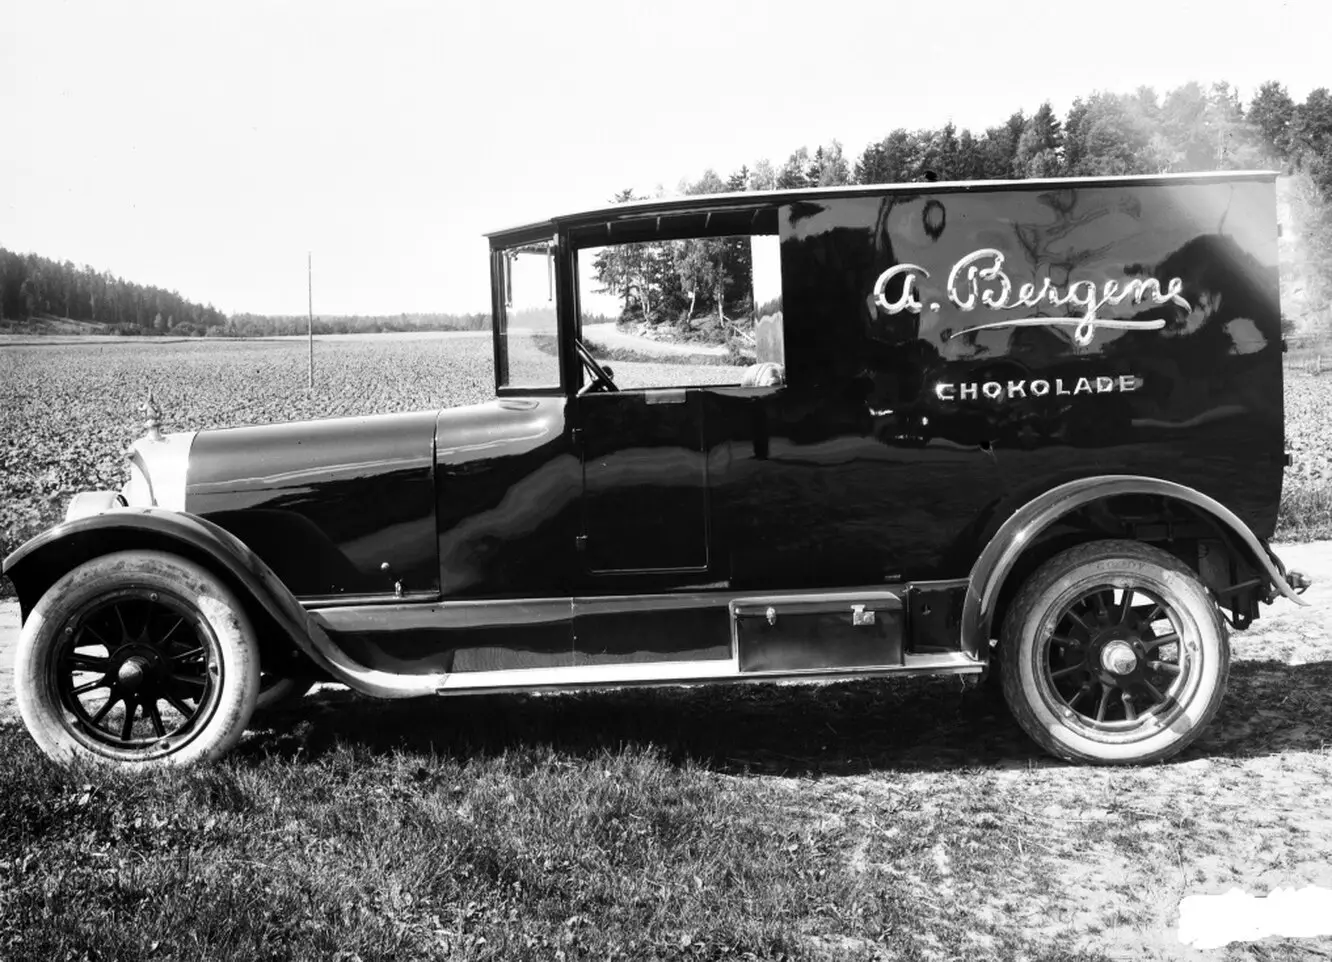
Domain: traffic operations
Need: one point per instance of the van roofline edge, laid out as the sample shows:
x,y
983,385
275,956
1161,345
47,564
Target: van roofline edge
x,y
759,198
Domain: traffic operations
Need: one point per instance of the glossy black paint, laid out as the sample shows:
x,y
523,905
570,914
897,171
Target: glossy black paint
x,y
500,635
629,629
326,503
919,478
645,482
858,471
415,640
507,500
934,615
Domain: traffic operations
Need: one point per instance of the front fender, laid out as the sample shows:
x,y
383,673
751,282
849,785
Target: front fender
x,y
1025,525
39,563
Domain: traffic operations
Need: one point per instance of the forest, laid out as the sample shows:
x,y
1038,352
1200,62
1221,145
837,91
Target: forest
x,y
37,287
1191,128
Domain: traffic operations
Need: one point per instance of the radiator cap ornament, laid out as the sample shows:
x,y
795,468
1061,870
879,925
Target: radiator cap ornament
x,y
153,424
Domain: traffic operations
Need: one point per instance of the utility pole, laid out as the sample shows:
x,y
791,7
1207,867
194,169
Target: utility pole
x,y
309,280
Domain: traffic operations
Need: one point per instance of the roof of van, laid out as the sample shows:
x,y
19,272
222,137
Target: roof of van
x,y
701,203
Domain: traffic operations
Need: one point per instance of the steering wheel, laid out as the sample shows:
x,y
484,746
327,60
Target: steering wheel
x,y
601,377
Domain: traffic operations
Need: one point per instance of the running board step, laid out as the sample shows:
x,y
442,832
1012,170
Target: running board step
x,y
684,673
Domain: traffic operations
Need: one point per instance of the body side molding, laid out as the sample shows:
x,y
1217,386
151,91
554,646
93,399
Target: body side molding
x,y
1025,524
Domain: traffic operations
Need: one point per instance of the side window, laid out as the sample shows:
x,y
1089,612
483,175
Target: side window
x,y
685,312
526,331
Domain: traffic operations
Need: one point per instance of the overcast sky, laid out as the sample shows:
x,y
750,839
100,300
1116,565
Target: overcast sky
x,y
207,147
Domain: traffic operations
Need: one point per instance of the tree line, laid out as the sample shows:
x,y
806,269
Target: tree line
x,y
33,287
38,287
1191,128
265,325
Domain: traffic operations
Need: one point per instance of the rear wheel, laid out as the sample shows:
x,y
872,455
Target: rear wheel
x,y
1114,653
137,659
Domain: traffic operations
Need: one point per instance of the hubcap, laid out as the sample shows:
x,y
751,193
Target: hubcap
x,y
132,672
1118,657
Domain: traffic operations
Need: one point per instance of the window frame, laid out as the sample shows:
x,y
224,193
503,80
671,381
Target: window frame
x,y
499,292
743,220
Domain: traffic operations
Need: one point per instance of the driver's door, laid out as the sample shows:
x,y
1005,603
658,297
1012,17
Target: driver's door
x,y
645,490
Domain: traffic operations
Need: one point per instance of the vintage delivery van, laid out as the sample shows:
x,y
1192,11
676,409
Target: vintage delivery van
x,y
1033,427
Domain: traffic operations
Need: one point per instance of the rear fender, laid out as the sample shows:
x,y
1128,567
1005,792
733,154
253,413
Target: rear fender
x,y
42,561
1025,525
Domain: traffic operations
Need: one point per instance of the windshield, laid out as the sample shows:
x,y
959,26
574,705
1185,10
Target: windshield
x,y
527,349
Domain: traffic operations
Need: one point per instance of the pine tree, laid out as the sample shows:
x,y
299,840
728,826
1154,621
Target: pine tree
x,y
1040,145
1272,114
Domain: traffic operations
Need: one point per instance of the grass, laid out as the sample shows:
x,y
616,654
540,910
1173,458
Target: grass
x,y
1306,512
602,827
1310,355
853,821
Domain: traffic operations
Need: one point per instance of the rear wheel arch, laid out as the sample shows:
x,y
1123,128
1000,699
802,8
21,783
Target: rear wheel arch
x,y
1089,509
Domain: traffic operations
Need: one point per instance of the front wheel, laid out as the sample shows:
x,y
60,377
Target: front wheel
x,y
137,659
1114,653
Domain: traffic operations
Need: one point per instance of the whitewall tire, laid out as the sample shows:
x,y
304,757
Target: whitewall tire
x,y
1114,653
137,659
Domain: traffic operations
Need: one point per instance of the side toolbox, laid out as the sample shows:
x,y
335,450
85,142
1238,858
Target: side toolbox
x,y
816,631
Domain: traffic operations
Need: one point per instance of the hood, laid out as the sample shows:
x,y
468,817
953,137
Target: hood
x,y
335,507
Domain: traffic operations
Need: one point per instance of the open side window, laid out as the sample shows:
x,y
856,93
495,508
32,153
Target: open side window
x,y
682,302
527,354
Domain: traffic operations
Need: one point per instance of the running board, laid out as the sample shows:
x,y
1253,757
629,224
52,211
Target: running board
x,y
685,638
688,673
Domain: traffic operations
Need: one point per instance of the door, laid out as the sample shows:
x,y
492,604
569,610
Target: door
x,y
644,482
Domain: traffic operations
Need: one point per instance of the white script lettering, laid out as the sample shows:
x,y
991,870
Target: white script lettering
x,y
979,279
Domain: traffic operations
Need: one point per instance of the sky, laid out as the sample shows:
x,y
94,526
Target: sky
x,y
207,147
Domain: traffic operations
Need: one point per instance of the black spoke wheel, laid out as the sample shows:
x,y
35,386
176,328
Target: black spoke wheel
x,y
137,668
1114,658
1114,653
139,658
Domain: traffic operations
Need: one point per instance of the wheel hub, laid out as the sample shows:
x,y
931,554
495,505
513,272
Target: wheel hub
x,y
132,673
136,668
1119,658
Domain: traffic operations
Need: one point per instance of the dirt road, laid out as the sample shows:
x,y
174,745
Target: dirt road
x,y
608,335
1285,633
